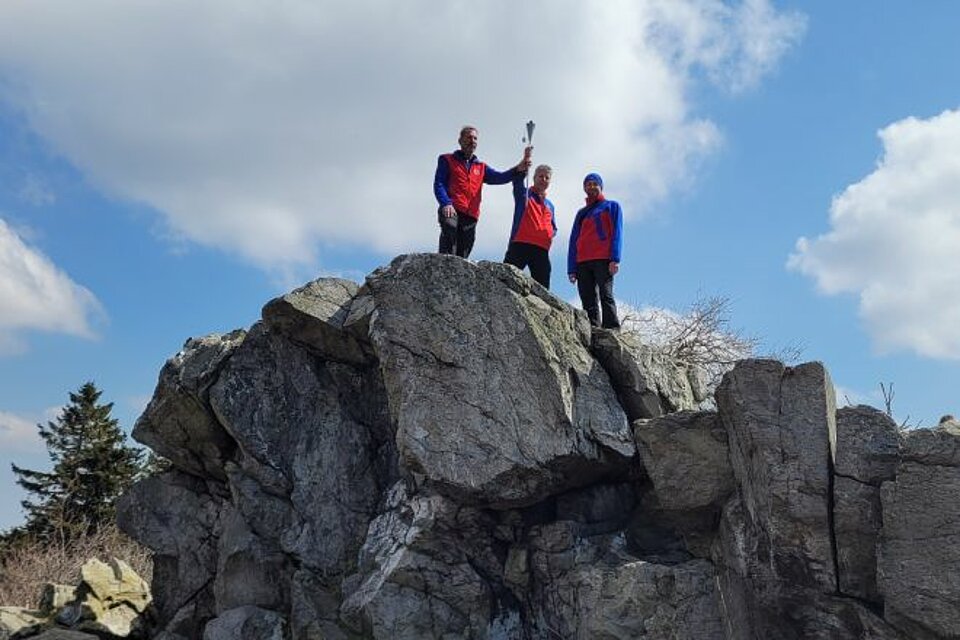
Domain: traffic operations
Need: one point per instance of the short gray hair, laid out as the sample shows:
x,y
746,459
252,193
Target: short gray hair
x,y
545,168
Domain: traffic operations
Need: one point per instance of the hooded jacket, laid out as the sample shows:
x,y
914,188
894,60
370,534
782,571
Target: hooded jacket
x,y
596,233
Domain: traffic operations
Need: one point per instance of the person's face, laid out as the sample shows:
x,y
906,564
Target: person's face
x,y
468,141
541,181
591,188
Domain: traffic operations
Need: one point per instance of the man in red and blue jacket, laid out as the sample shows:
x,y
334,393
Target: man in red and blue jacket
x,y
594,254
457,184
534,226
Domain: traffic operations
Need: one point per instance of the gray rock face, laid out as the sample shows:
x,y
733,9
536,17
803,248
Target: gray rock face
x,y
868,451
868,445
178,423
647,383
414,581
301,437
920,539
781,426
179,519
314,316
493,390
617,595
444,452
687,458
246,623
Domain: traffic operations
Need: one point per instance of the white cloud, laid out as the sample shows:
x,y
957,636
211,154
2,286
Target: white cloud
x,y
36,295
275,130
736,44
893,240
18,433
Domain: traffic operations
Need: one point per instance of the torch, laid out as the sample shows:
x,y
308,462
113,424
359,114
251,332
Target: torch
x,y
528,141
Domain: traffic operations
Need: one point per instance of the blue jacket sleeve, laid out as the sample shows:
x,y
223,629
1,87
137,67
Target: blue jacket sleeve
x,y
519,203
440,180
553,217
616,217
492,176
572,249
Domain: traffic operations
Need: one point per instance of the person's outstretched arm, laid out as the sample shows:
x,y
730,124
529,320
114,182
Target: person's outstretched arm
x,y
519,204
492,176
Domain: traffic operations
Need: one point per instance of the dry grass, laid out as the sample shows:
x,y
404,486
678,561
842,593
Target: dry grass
x,y
24,570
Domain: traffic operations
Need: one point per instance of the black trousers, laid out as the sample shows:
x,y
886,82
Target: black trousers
x,y
522,254
457,234
594,276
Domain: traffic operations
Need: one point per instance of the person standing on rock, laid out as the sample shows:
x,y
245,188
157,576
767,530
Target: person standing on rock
x,y
593,257
534,226
457,185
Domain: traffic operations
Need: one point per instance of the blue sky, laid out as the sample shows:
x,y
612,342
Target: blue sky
x,y
166,168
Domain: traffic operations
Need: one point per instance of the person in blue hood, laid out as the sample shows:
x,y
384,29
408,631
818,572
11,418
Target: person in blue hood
x,y
593,257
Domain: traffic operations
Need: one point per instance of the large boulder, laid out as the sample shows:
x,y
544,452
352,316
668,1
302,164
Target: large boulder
x,y
648,382
687,457
178,423
493,390
111,601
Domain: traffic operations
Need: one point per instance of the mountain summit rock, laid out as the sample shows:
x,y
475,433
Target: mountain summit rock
x,y
449,451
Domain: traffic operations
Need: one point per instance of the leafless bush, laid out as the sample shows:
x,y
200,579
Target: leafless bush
x,y
700,337
886,390
25,568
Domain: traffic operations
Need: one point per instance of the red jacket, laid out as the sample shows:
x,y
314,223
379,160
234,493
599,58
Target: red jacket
x,y
458,181
533,217
464,185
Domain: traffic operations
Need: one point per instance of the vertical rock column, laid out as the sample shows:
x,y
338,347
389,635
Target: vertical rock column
x,y
776,532
920,543
867,455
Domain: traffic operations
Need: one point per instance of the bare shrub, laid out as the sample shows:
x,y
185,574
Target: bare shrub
x,y
700,337
886,390
25,568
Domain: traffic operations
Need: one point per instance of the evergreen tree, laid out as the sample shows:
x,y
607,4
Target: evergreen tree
x,y
92,467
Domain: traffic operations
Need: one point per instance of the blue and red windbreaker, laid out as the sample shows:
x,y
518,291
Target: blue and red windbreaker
x,y
596,233
459,180
534,221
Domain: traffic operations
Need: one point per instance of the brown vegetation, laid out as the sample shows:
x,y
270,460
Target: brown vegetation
x,y
25,568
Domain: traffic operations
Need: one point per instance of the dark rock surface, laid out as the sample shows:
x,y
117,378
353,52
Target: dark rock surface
x,y
448,451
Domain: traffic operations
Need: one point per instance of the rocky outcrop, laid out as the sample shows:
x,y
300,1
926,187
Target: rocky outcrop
x,y
111,601
920,540
449,451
